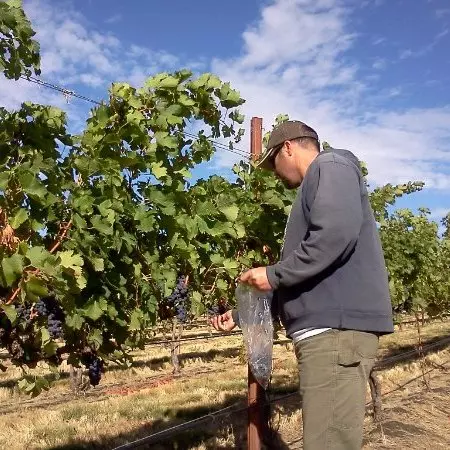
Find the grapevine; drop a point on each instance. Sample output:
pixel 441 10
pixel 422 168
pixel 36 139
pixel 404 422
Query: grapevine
pixel 93 239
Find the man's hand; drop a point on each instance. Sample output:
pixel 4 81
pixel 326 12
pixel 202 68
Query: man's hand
pixel 258 278
pixel 223 322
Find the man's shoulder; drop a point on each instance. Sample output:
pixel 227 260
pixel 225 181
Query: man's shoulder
pixel 337 157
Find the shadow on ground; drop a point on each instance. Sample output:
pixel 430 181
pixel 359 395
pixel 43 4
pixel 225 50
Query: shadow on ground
pixel 213 432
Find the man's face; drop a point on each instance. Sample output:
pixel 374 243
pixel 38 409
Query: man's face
pixel 285 166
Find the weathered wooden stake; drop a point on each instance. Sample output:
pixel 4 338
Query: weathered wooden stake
pixel 256 426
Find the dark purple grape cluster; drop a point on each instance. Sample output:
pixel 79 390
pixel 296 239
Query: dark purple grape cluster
pixel 217 310
pixel 213 311
pixel 55 316
pixel 55 326
pixel 23 313
pixel 179 299
pixel 95 368
pixel 95 371
pixel 41 307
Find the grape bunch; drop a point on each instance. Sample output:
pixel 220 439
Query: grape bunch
pixel 179 299
pixel 41 307
pixel 24 313
pixel 217 310
pixel 95 367
pixel 213 311
pixel 54 323
pixel 49 307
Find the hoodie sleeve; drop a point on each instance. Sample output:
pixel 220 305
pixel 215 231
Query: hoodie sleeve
pixel 235 315
pixel 335 222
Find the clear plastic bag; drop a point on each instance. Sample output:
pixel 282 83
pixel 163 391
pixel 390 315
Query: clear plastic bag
pixel 257 328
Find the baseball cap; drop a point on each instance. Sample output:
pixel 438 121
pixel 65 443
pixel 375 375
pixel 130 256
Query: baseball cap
pixel 286 131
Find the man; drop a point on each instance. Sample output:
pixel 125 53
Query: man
pixel 330 286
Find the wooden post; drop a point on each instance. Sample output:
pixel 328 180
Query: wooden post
pixel 256 137
pixel 256 426
pixel 256 429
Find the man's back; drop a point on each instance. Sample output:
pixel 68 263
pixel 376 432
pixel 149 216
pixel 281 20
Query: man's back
pixel 332 271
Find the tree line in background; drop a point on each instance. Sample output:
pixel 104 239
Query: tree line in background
pixel 102 235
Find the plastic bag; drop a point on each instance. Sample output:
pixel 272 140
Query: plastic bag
pixel 257 328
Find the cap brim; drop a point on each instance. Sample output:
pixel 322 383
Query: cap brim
pixel 265 161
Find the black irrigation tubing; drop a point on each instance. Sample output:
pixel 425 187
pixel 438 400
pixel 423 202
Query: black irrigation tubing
pixel 385 362
pixel 151 343
pixel 207 337
pixel 233 409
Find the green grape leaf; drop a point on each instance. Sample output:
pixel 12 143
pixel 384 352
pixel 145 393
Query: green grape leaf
pixel 75 321
pixel 231 212
pixel 72 261
pixel 10 312
pixel 19 218
pixel 12 268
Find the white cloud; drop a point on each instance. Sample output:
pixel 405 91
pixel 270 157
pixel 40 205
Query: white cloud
pixel 370 3
pixel 378 40
pixel 395 91
pixel 439 213
pixel 114 19
pixel 408 53
pixel 295 62
pixel 91 79
pixel 379 64
pixel 293 33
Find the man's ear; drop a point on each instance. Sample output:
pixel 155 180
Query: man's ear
pixel 289 148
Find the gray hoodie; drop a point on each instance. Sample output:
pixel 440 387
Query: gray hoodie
pixel 332 271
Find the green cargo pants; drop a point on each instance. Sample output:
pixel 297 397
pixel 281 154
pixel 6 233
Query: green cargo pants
pixel 334 367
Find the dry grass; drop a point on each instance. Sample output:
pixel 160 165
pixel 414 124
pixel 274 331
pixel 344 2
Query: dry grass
pixel 416 416
pixel 146 398
pixel 409 335
pixel 172 403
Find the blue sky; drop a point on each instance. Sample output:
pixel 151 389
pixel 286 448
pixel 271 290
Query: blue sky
pixel 369 75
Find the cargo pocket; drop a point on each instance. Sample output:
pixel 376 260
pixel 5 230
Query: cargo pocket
pixel 348 350
pixel 366 344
